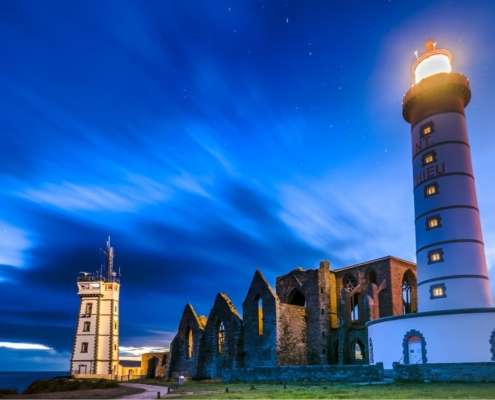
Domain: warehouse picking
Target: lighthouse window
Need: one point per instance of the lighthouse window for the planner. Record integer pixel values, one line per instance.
(427, 129)
(429, 158)
(431, 189)
(89, 308)
(437, 291)
(435, 256)
(433, 222)
(86, 326)
(84, 347)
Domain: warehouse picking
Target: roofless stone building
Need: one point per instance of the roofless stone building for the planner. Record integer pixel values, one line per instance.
(312, 317)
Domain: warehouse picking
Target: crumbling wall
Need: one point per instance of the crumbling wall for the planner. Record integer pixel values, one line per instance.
(260, 343)
(292, 335)
(213, 358)
(183, 362)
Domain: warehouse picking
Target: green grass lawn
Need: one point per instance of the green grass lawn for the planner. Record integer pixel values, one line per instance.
(201, 390)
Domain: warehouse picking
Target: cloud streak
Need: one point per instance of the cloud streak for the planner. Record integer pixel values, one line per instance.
(24, 346)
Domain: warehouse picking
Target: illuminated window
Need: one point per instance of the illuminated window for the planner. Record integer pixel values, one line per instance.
(427, 129)
(84, 347)
(86, 326)
(221, 338)
(429, 158)
(259, 315)
(431, 189)
(89, 309)
(435, 256)
(438, 291)
(433, 222)
(189, 343)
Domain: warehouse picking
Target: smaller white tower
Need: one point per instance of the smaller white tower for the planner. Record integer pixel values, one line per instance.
(96, 341)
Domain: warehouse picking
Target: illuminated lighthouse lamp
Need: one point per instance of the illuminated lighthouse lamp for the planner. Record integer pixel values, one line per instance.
(431, 62)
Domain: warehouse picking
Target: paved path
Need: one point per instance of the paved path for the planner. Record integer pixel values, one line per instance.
(150, 391)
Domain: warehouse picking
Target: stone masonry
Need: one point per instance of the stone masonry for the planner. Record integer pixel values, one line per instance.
(313, 317)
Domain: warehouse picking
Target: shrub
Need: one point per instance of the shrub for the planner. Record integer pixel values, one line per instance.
(68, 384)
(7, 391)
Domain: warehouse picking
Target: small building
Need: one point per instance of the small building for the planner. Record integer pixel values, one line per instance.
(151, 365)
(129, 369)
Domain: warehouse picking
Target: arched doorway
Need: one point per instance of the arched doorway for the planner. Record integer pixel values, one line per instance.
(296, 298)
(152, 364)
(357, 352)
(414, 348)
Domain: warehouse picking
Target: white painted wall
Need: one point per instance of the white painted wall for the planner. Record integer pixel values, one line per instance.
(466, 255)
(449, 338)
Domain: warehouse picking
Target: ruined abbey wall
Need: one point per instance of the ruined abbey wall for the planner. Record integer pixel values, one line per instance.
(312, 317)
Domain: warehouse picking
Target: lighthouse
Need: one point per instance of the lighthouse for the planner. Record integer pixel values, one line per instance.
(451, 264)
(455, 322)
(95, 351)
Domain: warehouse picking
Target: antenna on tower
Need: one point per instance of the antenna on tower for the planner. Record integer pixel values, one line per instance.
(110, 254)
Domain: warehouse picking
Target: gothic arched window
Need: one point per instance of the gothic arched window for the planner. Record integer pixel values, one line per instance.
(189, 343)
(296, 298)
(408, 293)
(221, 338)
(259, 314)
(350, 284)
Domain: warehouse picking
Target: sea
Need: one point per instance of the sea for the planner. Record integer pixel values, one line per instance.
(20, 380)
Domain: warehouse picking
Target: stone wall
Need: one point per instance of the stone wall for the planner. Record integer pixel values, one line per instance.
(307, 320)
(260, 346)
(182, 363)
(317, 299)
(459, 372)
(213, 359)
(308, 373)
(292, 337)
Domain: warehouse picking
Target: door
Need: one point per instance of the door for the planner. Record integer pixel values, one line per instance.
(415, 350)
(82, 369)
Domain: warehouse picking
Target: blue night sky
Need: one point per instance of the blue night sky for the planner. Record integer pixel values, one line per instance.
(210, 139)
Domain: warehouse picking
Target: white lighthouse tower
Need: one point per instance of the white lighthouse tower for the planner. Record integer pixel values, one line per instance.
(96, 343)
(451, 262)
(456, 320)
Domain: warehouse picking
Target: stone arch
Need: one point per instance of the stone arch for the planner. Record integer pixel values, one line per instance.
(414, 336)
(409, 292)
(357, 352)
(296, 298)
(153, 363)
